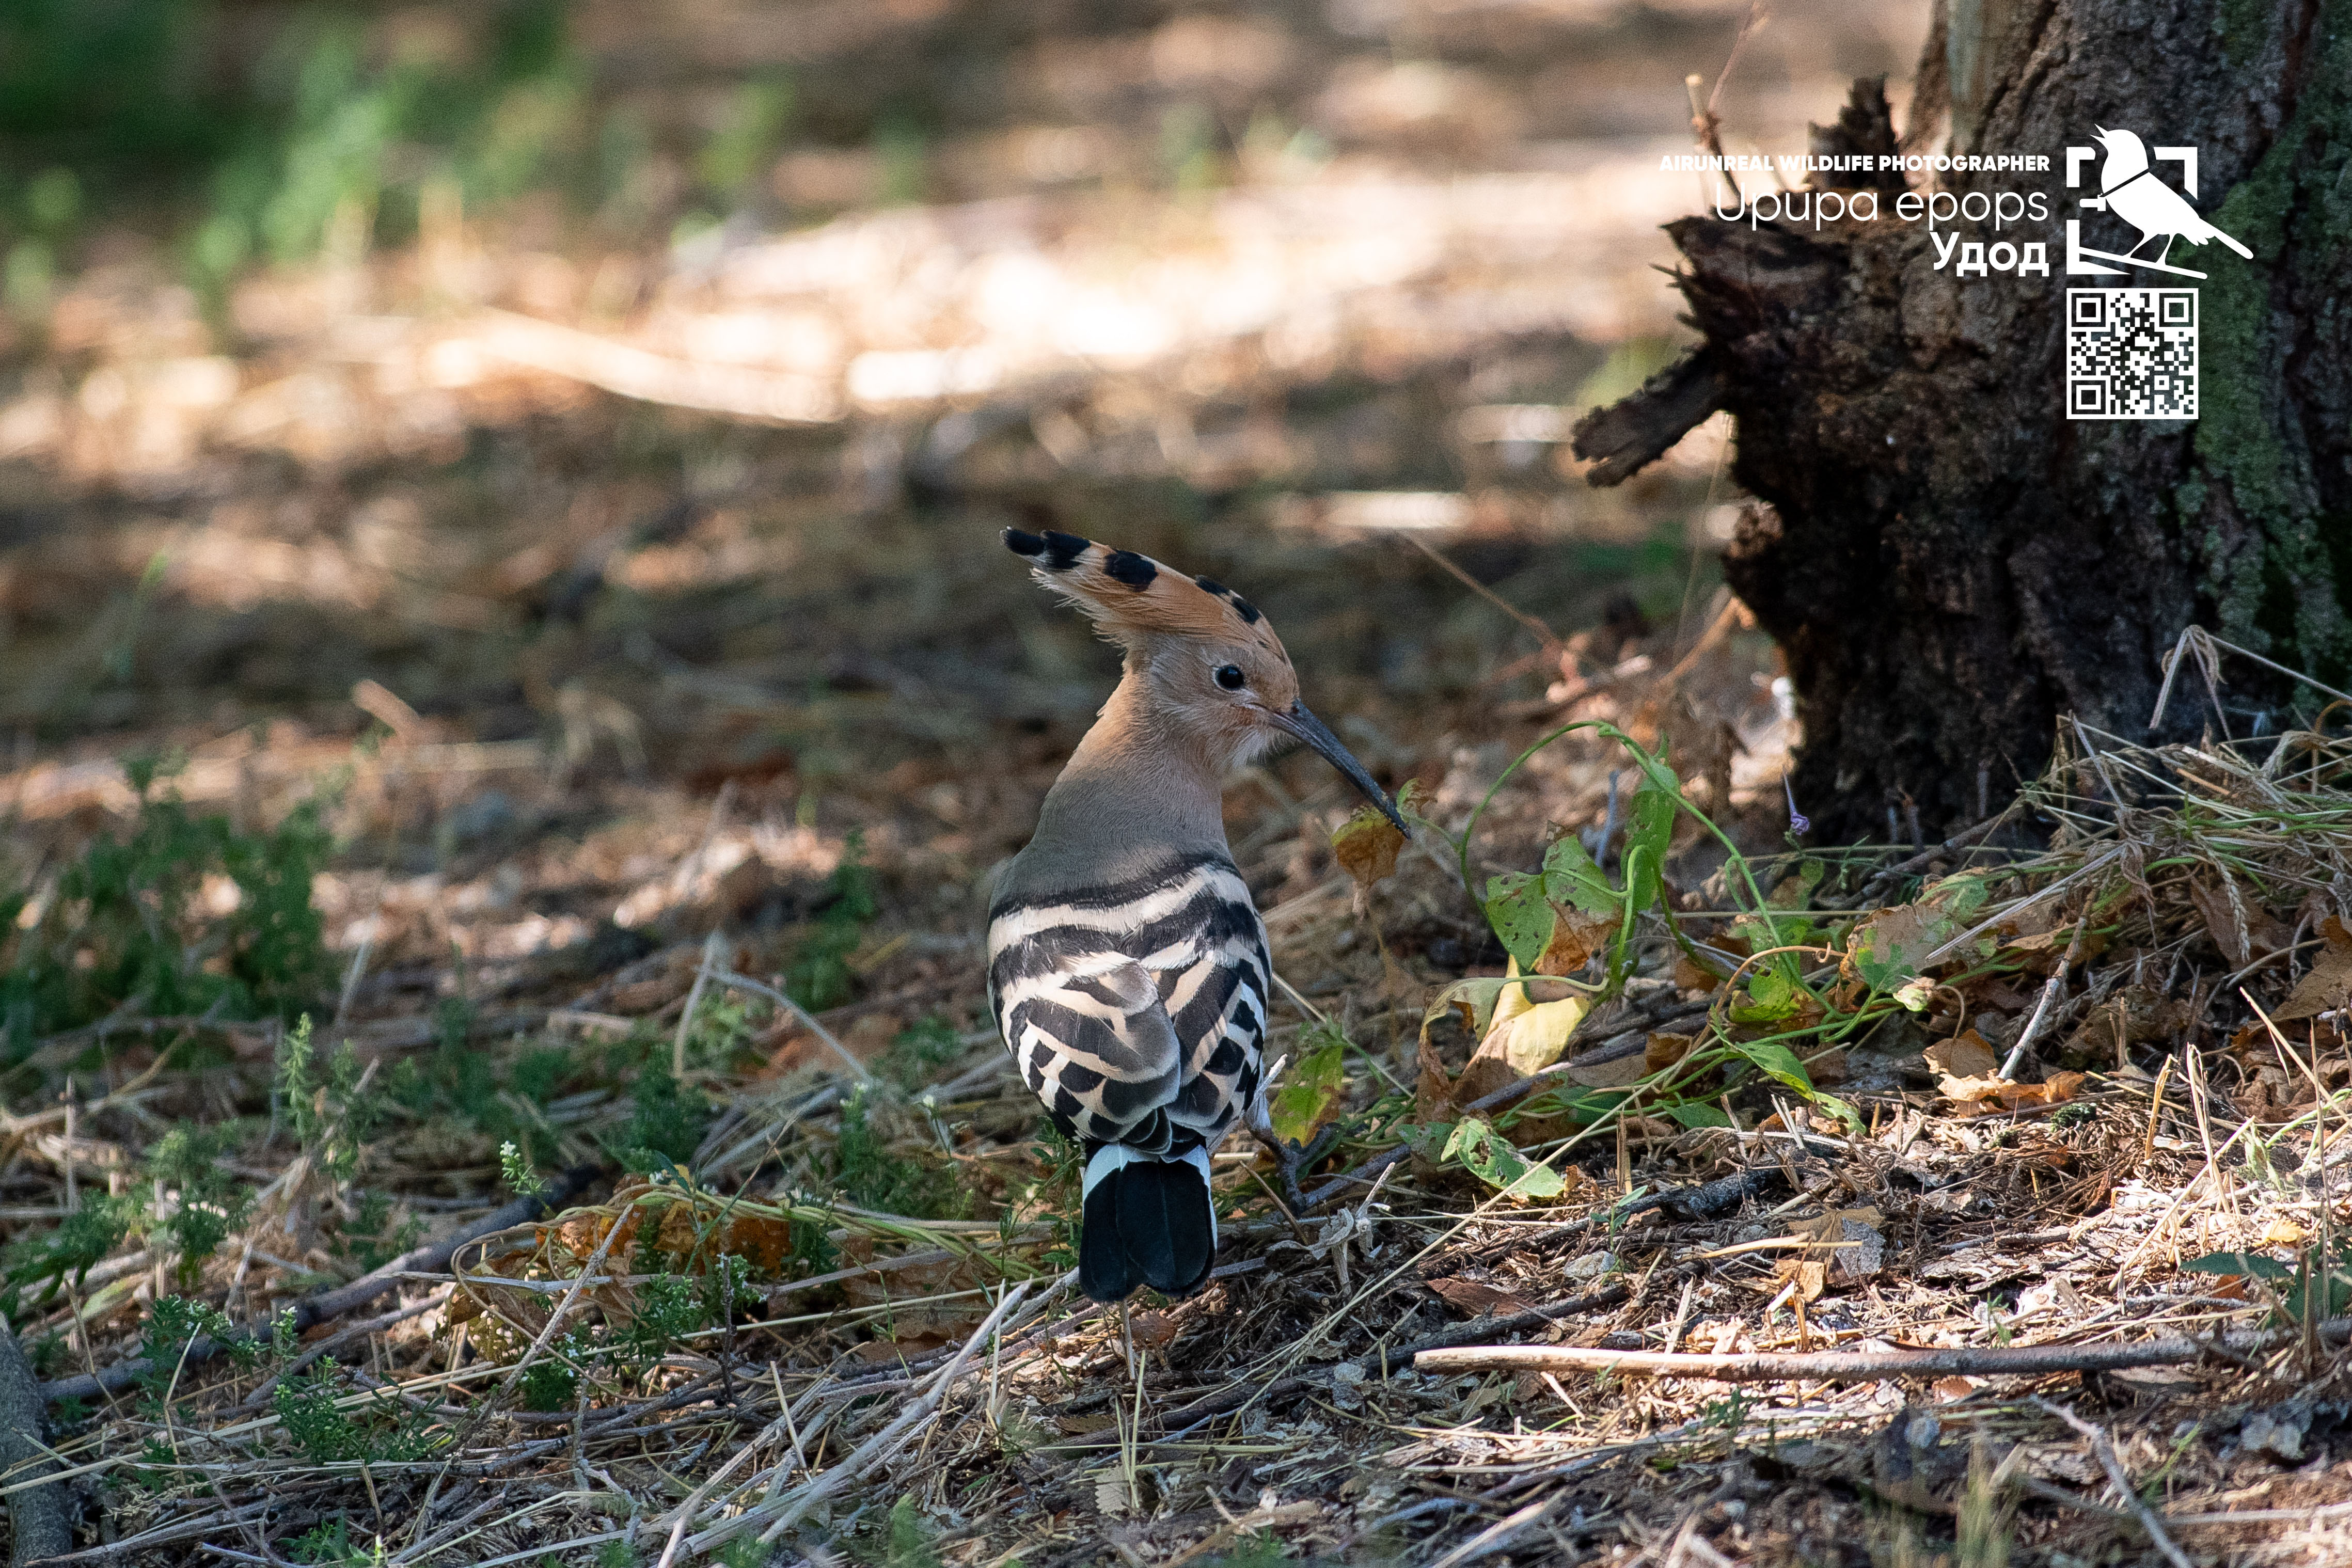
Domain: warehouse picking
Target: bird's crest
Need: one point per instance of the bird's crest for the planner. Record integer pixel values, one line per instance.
(1130, 596)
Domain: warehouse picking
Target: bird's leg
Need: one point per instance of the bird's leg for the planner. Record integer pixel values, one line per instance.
(1291, 1158)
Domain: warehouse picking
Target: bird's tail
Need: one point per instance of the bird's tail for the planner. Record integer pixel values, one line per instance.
(2225, 239)
(1149, 1222)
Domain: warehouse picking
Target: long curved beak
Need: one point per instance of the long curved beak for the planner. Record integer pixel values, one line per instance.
(1304, 725)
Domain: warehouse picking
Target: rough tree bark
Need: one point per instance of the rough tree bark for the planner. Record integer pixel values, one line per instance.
(1948, 563)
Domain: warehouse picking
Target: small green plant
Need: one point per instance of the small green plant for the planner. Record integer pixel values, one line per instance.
(904, 1539)
(819, 977)
(369, 1239)
(668, 1307)
(666, 1123)
(1054, 1195)
(128, 923)
(871, 1176)
(1985, 1514)
(553, 1382)
(725, 1022)
(306, 1407)
(1728, 1413)
(56, 1261)
(2314, 1287)
(917, 1052)
(733, 159)
(1254, 1550)
(211, 1203)
(515, 1170)
(329, 1544)
(324, 1109)
(175, 1324)
(617, 1554)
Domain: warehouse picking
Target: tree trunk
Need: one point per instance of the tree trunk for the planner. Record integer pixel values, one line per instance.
(1950, 562)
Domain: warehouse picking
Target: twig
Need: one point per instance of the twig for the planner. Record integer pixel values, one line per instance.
(712, 945)
(808, 1020)
(2150, 1520)
(260, 1397)
(1550, 638)
(1885, 875)
(779, 1513)
(1861, 1366)
(315, 1310)
(2048, 994)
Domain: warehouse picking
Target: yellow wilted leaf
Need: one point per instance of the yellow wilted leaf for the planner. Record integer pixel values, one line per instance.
(1530, 1035)
(1366, 846)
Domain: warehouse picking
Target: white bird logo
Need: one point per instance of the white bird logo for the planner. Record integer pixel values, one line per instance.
(2129, 189)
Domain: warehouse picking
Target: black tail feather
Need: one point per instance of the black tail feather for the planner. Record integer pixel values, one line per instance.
(1147, 1223)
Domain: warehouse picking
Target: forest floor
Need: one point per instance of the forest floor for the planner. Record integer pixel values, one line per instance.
(587, 688)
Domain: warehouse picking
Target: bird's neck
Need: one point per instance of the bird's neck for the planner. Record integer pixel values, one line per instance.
(1134, 784)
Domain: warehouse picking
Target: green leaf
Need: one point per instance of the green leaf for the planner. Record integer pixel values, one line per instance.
(1777, 1060)
(1569, 877)
(1694, 1115)
(1772, 997)
(1842, 1111)
(2253, 1264)
(1521, 915)
(1488, 1155)
(1647, 840)
(1312, 1085)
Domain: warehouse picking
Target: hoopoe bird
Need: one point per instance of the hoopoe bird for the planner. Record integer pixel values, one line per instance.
(1127, 963)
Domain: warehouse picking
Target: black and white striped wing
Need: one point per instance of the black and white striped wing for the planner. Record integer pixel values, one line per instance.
(1094, 1043)
(1136, 1013)
(1217, 1001)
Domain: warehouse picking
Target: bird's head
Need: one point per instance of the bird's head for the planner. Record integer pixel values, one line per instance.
(1214, 677)
(2125, 146)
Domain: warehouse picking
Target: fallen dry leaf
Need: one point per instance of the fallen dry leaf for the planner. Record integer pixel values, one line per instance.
(1691, 975)
(1662, 1050)
(1978, 1096)
(1474, 1299)
(1611, 1066)
(1575, 937)
(1812, 1278)
(1955, 1387)
(1964, 1055)
(2328, 984)
(1859, 1247)
(2242, 928)
(1525, 1036)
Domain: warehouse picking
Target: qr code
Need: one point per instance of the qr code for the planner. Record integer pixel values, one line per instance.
(2131, 353)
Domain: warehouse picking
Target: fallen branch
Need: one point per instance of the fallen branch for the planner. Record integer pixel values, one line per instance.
(1630, 435)
(1865, 1365)
(36, 1516)
(313, 1311)
(1514, 1323)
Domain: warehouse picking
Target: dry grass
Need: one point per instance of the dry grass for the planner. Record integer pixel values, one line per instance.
(900, 1389)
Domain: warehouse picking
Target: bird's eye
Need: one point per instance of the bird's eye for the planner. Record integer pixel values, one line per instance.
(1230, 676)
